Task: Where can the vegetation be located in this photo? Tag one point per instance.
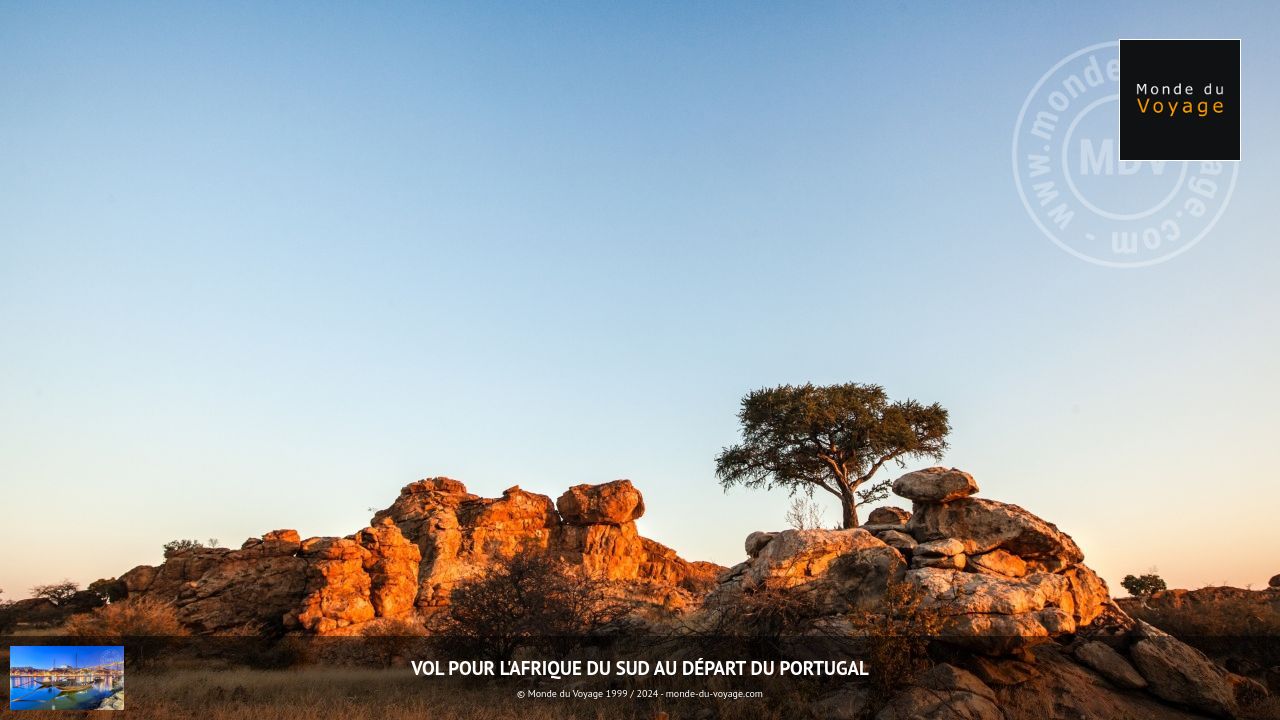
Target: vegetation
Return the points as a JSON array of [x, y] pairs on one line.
[[177, 546], [57, 593], [137, 617], [804, 513], [529, 601], [108, 589], [1142, 586], [834, 437]]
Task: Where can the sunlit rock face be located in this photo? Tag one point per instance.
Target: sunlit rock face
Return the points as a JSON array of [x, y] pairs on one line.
[[433, 537]]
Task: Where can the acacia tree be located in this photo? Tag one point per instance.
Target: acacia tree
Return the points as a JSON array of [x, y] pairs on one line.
[[57, 593], [831, 437]]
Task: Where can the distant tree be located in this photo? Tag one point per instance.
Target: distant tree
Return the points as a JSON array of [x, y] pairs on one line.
[[833, 437], [530, 601], [176, 546], [804, 513], [57, 593], [213, 542], [1142, 586]]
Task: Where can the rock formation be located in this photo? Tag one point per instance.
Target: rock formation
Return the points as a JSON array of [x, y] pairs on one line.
[[434, 536], [1028, 630], [1035, 629]]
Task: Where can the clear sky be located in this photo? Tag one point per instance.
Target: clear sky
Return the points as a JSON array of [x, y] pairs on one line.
[[261, 264], [46, 657]]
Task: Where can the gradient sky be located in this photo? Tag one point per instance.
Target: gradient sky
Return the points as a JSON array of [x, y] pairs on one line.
[[261, 264], [45, 657]]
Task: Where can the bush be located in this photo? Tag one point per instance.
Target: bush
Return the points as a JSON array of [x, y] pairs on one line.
[[177, 546], [138, 617], [531, 601], [149, 626]]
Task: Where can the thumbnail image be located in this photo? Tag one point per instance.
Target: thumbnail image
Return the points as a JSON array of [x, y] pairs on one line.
[[66, 677]]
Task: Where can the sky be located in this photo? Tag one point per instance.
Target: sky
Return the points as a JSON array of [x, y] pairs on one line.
[[263, 264], [46, 657]]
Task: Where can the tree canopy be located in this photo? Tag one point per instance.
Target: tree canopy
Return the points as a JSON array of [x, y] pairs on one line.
[[831, 437]]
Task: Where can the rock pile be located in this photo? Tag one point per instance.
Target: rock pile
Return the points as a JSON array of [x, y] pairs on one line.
[[1038, 631], [434, 536]]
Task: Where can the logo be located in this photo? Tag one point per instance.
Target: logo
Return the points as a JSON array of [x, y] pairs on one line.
[[1082, 196]]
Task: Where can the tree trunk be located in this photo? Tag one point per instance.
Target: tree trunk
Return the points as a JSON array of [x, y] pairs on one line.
[[849, 508]]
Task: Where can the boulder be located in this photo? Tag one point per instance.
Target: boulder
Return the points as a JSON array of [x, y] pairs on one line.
[[899, 541], [1180, 674], [1108, 663], [756, 542], [840, 569], [944, 692], [935, 485], [139, 579], [998, 562], [944, 562], [1274, 581], [986, 525], [995, 614], [946, 554], [888, 516], [1063, 689], [612, 503]]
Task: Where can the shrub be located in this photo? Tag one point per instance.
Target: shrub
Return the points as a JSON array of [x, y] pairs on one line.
[[530, 601], [177, 546], [137, 617], [148, 624]]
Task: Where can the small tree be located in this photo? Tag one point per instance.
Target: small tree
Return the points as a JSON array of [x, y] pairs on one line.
[[57, 593], [833, 437], [1142, 586]]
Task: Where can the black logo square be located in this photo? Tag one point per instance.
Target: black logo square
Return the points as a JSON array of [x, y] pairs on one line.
[[1179, 99]]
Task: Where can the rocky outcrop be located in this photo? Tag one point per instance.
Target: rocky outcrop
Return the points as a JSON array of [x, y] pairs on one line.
[[1012, 600], [434, 536], [837, 570], [1274, 581], [986, 525], [592, 526]]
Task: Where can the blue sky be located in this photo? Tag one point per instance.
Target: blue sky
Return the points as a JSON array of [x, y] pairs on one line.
[[45, 657], [261, 265]]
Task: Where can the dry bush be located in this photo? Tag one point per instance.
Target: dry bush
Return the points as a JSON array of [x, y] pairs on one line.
[[530, 601], [138, 617], [146, 625], [900, 634]]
